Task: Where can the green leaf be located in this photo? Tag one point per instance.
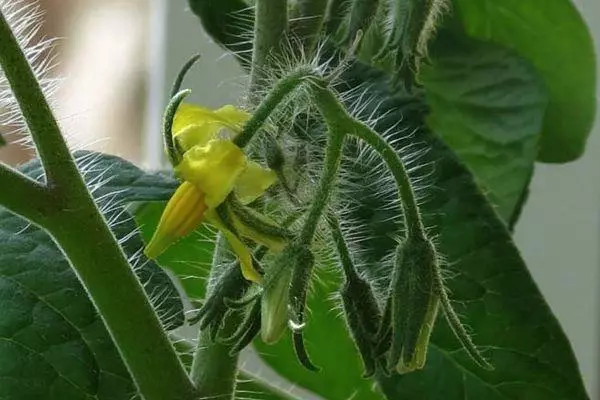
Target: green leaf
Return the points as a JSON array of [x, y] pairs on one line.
[[53, 344], [230, 23], [489, 284], [552, 35], [488, 104]]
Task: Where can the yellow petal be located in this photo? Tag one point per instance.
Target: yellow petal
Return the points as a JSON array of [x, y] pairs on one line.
[[253, 182], [183, 214], [194, 125], [198, 134], [232, 117], [238, 247], [213, 168]]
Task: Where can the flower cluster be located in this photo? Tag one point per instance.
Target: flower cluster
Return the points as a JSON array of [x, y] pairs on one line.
[[211, 169]]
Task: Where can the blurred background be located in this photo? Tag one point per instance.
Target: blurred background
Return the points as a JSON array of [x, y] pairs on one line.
[[118, 58]]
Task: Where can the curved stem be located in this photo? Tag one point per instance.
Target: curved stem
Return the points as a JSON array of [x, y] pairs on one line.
[[169, 115], [335, 113], [412, 217], [284, 87], [93, 252]]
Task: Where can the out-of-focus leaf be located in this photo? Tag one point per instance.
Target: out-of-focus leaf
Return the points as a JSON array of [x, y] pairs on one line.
[[488, 104], [230, 23], [553, 36]]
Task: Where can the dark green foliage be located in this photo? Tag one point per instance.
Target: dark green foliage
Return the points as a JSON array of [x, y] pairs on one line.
[[54, 344]]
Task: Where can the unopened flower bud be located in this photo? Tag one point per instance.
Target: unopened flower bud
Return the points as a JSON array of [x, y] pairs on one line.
[[414, 304]]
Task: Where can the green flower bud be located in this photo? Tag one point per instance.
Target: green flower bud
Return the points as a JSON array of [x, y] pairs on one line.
[[274, 308], [363, 318], [414, 304], [275, 311]]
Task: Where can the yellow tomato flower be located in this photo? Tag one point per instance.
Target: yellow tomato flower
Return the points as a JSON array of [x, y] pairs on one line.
[[211, 168]]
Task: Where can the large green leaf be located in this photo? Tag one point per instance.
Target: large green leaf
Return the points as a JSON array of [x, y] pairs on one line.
[[489, 284], [552, 35], [53, 344], [488, 104]]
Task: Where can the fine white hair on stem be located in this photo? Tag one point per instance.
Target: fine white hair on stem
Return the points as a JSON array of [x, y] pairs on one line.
[[25, 20]]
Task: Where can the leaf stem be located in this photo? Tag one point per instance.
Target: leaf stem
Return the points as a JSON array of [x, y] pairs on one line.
[[93, 252], [108, 278], [24, 196], [271, 22]]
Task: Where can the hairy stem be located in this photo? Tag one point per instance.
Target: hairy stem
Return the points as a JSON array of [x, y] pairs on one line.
[[335, 113], [271, 21], [214, 370], [335, 119], [284, 87], [119, 297], [93, 252], [412, 217], [55, 156], [342, 248]]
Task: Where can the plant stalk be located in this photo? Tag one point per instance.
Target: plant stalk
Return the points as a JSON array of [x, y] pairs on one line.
[[270, 26], [214, 371], [93, 252]]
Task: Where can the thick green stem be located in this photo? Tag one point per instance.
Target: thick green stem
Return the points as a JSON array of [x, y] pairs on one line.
[[270, 26], [80, 230], [214, 370], [24, 196], [284, 87], [119, 297]]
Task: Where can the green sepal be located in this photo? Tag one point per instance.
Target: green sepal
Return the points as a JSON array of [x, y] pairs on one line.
[[230, 284], [246, 331], [301, 353]]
